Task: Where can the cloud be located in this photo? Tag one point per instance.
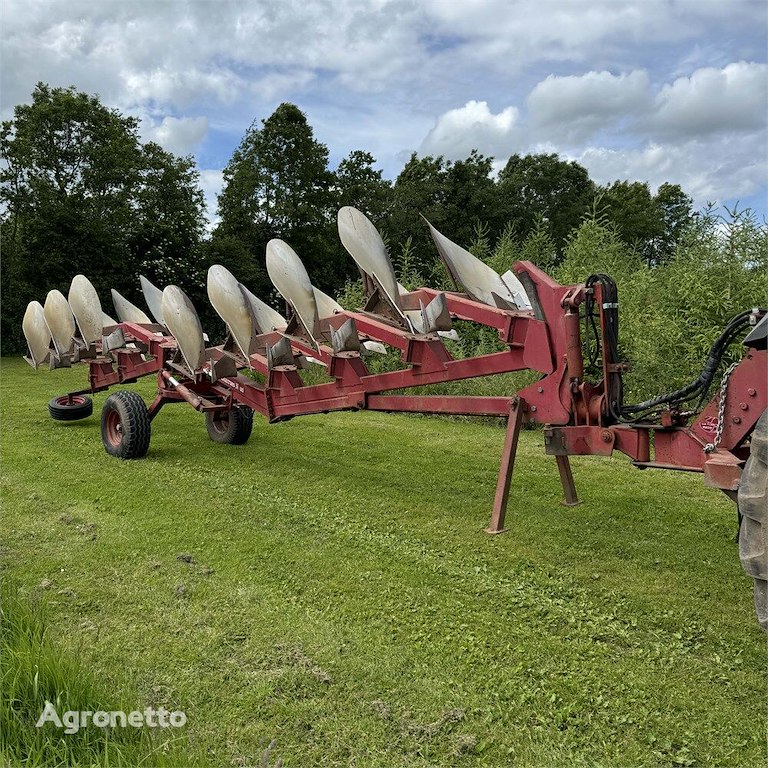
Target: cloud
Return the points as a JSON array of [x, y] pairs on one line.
[[390, 75], [699, 167], [573, 108], [618, 128], [180, 135], [511, 34], [473, 126], [731, 99], [180, 88]]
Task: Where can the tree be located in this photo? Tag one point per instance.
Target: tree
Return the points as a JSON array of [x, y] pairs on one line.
[[80, 194], [558, 191], [630, 206], [650, 223], [277, 184], [169, 225], [358, 184], [675, 208], [471, 198], [455, 197]]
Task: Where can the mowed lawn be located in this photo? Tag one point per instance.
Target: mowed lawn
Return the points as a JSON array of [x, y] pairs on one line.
[[329, 586]]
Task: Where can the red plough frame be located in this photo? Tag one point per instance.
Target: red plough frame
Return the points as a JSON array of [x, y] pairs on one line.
[[547, 339]]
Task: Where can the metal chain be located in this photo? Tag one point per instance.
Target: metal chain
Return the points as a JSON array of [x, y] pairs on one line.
[[709, 447]]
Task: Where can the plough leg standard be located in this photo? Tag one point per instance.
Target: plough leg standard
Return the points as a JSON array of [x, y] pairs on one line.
[[538, 321]]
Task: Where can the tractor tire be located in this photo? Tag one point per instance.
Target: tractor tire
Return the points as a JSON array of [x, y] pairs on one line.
[[753, 508], [125, 426], [70, 408], [232, 427]]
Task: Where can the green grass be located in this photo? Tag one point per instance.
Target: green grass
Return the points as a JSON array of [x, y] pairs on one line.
[[328, 586], [34, 671]]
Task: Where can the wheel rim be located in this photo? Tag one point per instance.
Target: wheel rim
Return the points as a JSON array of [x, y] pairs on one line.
[[68, 401], [114, 429], [220, 422]]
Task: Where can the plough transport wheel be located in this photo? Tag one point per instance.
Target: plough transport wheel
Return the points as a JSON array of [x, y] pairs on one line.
[[70, 407], [125, 425], [232, 427], [753, 506]]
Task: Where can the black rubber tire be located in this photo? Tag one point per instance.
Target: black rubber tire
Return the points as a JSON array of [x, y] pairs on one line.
[[125, 425], [80, 407], [232, 427], [753, 507]]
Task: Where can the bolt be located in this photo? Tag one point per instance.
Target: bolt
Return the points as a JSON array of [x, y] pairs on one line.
[[533, 409], [751, 392], [539, 389], [606, 435], [736, 419], [743, 406]]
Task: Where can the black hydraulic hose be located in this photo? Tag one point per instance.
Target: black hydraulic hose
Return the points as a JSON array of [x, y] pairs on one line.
[[701, 384]]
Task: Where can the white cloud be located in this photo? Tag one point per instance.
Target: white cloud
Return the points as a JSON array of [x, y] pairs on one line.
[[618, 129], [180, 88], [473, 126], [573, 108], [180, 135], [734, 98], [701, 168], [376, 74], [512, 34]]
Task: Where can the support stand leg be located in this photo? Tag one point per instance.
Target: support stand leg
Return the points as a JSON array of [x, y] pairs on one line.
[[507, 466], [566, 478]]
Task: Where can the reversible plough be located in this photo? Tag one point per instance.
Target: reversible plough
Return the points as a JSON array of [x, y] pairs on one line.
[[539, 324]]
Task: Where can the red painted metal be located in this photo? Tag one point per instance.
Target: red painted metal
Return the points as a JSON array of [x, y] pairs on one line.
[[447, 404], [113, 428], [566, 479], [723, 470], [747, 398], [508, 454]]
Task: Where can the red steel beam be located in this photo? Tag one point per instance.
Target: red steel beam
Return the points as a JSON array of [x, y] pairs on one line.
[[746, 399], [447, 404]]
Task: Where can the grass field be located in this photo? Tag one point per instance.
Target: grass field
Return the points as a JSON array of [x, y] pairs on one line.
[[328, 587]]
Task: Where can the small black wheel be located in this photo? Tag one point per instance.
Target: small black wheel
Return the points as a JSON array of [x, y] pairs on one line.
[[232, 427], [70, 407], [125, 425]]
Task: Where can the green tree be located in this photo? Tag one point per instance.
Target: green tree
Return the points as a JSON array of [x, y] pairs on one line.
[[545, 188], [455, 196], [277, 184], [169, 226], [359, 184], [676, 211], [79, 193], [652, 224]]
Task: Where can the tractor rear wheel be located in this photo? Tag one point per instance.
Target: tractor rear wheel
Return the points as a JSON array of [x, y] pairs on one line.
[[70, 407], [753, 508], [232, 427], [125, 425]]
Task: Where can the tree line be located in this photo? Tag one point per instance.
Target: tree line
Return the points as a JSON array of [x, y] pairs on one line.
[[80, 192]]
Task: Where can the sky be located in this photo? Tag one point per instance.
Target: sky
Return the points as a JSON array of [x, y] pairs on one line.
[[652, 90]]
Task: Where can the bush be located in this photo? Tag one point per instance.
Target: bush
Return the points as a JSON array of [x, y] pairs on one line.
[[671, 314]]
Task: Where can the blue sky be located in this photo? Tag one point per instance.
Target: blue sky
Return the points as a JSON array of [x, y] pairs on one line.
[[660, 90]]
